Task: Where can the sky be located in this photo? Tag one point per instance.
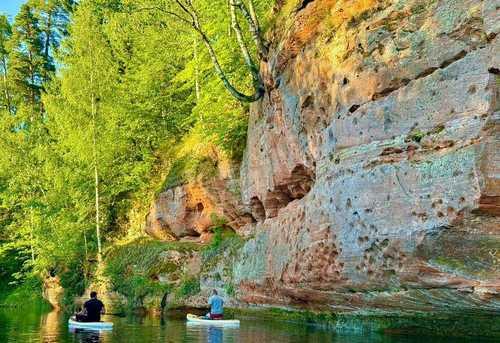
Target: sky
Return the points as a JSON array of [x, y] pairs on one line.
[[10, 7]]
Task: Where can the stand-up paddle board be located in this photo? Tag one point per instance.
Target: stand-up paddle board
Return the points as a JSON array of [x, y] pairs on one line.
[[194, 319], [90, 325]]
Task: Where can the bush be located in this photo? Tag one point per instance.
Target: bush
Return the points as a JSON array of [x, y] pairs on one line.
[[133, 267], [29, 293], [189, 286], [221, 240]]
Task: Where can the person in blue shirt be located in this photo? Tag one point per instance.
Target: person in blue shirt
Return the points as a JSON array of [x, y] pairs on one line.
[[216, 306]]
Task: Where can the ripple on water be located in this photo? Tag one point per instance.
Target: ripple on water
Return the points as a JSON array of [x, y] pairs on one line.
[[33, 325]]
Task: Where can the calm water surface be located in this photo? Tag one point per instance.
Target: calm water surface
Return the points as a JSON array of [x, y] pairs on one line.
[[35, 326]]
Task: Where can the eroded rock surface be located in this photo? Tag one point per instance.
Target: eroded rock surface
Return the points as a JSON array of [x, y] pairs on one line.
[[371, 175], [373, 162], [189, 211]]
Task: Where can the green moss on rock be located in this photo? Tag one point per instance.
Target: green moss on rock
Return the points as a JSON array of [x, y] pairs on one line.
[[134, 268]]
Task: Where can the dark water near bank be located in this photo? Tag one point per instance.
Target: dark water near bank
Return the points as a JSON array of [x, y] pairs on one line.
[[23, 325]]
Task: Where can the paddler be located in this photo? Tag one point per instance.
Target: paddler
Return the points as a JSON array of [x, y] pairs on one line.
[[92, 310], [216, 304]]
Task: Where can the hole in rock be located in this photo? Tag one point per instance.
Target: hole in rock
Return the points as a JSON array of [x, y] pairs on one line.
[[257, 208], [308, 102], [304, 5], [199, 207], [353, 108], [296, 186]]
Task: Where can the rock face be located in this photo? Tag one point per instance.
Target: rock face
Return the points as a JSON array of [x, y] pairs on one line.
[[189, 211], [372, 170], [373, 162], [53, 291]]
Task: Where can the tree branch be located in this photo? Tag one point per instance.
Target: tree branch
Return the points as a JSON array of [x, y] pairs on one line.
[[254, 70], [257, 81], [176, 15], [188, 8], [253, 23]]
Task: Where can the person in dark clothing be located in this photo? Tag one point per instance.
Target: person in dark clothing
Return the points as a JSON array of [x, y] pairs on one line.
[[92, 310]]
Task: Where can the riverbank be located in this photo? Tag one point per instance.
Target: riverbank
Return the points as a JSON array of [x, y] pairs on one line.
[[26, 295]]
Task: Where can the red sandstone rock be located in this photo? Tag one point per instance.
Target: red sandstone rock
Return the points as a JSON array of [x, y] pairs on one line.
[[191, 210], [392, 119], [372, 164]]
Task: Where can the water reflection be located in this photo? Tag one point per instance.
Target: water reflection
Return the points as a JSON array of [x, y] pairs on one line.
[[49, 326], [90, 335], [86, 336], [211, 334], [215, 335], [33, 325]]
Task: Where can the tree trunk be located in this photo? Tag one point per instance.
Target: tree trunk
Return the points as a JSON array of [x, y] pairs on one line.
[[6, 86], [196, 70], [96, 172], [254, 71], [47, 36], [253, 23], [32, 239], [86, 257], [96, 179]]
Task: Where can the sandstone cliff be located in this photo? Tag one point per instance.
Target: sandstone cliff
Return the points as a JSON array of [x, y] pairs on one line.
[[373, 162]]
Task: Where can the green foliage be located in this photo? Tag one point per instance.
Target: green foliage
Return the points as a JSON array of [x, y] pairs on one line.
[[74, 279], [416, 135], [187, 169], [222, 240], [229, 289], [219, 222], [189, 286], [122, 102], [29, 293], [133, 268]]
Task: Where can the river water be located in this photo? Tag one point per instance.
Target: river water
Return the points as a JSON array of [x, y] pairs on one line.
[[23, 325]]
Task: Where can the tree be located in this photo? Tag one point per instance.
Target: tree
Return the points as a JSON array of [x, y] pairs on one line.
[[185, 12], [27, 65], [53, 17], [26, 156], [5, 34]]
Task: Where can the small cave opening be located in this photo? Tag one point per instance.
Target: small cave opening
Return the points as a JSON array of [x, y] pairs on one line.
[[296, 186], [308, 102], [257, 208], [199, 207], [303, 4], [353, 108]]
